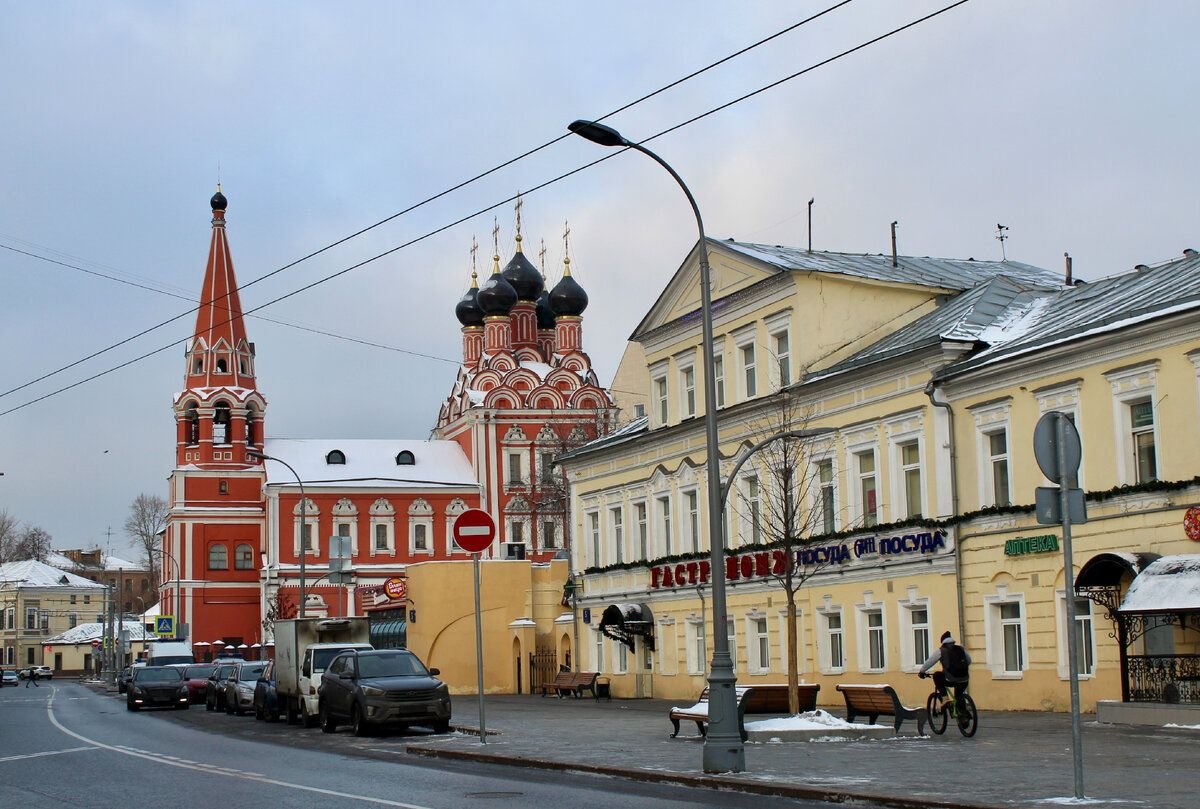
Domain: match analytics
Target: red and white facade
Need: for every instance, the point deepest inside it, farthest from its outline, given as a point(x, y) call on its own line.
point(234, 531)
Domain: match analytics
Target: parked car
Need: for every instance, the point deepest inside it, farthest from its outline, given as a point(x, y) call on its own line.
point(156, 685)
point(196, 677)
point(239, 687)
point(266, 697)
point(214, 694)
point(9, 677)
point(382, 687)
point(43, 672)
point(123, 679)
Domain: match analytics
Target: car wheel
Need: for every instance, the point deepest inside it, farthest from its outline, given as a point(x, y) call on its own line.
point(358, 722)
point(209, 704)
point(228, 708)
point(441, 726)
point(291, 713)
point(328, 725)
point(238, 710)
point(130, 706)
point(259, 713)
point(307, 719)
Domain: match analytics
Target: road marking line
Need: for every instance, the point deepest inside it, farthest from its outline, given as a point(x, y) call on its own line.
point(213, 769)
point(47, 753)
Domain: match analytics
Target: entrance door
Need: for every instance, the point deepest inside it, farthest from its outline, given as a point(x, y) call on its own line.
point(644, 678)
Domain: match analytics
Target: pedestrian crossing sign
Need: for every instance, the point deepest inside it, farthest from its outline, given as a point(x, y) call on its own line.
point(164, 626)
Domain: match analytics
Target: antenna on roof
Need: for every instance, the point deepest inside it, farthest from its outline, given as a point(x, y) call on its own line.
point(1001, 236)
point(810, 204)
point(895, 261)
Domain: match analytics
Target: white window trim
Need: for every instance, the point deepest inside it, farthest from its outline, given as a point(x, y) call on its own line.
point(664, 540)
point(691, 541)
point(777, 325)
point(1067, 400)
point(719, 370)
point(816, 505)
point(994, 635)
point(746, 517)
point(312, 518)
point(754, 663)
point(598, 652)
point(1064, 671)
point(617, 533)
point(455, 508)
point(620, 658)
point(593, 543)
point(353, 523)
point(905, 607)
point(821, 617)
point(668, 651)
point(521, 456)
point(900, 433)
point(388, 523)
point(853, 474)
point(638, 527)
point(863, 631)
point(990, 420)
point(694, 624)
point(1130, 386)
point(685, 363)
point(413, 522)
point(746, 339)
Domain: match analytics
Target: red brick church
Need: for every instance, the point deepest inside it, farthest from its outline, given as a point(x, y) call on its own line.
point(524, 393)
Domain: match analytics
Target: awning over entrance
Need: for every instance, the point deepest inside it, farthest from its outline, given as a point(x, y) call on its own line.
point(624, 622)
point(1101, 577)
point(1170, 584)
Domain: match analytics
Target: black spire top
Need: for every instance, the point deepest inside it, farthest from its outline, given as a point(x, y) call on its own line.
point(218, 200)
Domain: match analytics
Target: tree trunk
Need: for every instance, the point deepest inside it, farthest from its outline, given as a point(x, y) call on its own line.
point(793, 670)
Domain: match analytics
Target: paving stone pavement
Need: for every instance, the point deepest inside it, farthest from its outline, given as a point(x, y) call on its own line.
point(1015, 759)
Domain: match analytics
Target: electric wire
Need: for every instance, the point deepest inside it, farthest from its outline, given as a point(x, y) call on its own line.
point(502, 202)
point(430, 199)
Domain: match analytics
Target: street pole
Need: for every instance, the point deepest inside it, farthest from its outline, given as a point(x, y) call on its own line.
point(479, 654)
point(300, 612)
point(1064, 484)
point(724, 750)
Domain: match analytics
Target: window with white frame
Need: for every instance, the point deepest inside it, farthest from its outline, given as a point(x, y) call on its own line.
point(873, 639)
point(868, 503)
point(731, 642)
point(643, 530)
point(593, 521)
point(909, 454)
point(1085, 645)
point(621, 664)
point(31, 617)
point(997, 468)
point(345, 522)
point(1141, 432)
point(749, 370)
point(664, 524)
point(549, 534)
point(697, 648)
point(831, 638)
point(546, 468)
point(758, 644)
point(780, 345)
point(420, 527)
point(308, 533)
point(752, 503)
point(687, 391)
point(616, 518)
point(914, 633)
point(382, 537)
point(515, 466)
point(826, 496)
point(598, 653)
point(719, 378)
point(660, 399)
point(1134, 394)
point(691, 501)
point(10, 618)
point(72, 620)
point(1005, 634)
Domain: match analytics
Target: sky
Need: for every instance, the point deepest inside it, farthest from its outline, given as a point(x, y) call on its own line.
point(1072, 123)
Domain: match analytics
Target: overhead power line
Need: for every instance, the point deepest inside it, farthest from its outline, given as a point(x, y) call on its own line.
point(430, 199)
point(499, 203)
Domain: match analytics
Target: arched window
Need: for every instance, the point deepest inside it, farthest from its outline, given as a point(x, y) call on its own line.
point(243, 557)
point(335, 456)
point(218, 557)
point(251, 425)
point(222, 366)
point(193, 424)
point(221, 423)
point(198, 363)
point(405, 458)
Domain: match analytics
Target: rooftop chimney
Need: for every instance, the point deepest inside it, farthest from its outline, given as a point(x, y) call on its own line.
point(1070, 277)
point(895, 262)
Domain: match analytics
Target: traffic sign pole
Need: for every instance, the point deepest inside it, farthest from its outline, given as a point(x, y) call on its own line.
point(474, 531)
point(479, 655)
point(1065, 473)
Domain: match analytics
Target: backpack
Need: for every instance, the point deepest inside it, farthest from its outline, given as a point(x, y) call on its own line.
point(954, 662)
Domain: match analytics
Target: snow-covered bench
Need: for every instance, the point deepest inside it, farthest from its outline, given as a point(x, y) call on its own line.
point(698, 713)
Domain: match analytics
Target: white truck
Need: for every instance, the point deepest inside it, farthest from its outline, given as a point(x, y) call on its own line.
point(168, 652)
point(304, 648)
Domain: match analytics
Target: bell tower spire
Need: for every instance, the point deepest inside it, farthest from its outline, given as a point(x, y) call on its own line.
point(219, 413)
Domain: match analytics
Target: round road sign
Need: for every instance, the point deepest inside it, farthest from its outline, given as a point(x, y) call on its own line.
point(474, 530)
point(95, 642)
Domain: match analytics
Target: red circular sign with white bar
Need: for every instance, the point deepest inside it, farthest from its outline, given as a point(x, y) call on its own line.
point(474, 530)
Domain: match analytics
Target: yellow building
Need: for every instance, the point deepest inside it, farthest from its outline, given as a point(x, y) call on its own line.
point(38, 602)
point(917, 383)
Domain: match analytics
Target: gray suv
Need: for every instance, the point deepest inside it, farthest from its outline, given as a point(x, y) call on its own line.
point(373, 688)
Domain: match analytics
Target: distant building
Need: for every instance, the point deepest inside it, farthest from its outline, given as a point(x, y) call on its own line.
point(130, 579)
point(37, 602)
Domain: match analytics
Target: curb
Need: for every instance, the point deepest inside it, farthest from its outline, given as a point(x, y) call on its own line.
point(710, 782)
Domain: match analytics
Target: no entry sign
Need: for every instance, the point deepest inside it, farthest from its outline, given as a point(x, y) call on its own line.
point(474, 530)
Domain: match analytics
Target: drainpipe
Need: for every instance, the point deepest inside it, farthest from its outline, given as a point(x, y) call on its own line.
point(930, 390)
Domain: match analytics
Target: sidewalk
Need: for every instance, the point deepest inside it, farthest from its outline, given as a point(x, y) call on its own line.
point(1014, 759)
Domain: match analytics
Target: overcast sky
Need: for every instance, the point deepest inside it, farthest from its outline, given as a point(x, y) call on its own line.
point(1072, 122)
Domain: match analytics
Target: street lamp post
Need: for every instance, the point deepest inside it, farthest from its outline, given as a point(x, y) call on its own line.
point(723, 747)
point(303, 544)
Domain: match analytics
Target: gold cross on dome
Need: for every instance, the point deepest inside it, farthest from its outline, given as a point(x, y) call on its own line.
point(495, 239)
point(542, 257)
point(474, 250)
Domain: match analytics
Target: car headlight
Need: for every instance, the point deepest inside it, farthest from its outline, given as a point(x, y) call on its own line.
point(372, 691)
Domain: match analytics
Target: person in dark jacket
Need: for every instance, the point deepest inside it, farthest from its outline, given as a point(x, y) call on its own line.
point(956, 666)
point(33, 675)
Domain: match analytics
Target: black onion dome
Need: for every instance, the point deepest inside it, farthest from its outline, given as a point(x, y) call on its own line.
point(497, 297)
point(467, 311)
point(524, 277)
point(545, 315)
point(218, 201)
point(568, 298)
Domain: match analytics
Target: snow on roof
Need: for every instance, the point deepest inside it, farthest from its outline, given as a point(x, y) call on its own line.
point(369, 463)
point(117, 563)
point(86, 633)
point(1167, 584)
point(32, 573)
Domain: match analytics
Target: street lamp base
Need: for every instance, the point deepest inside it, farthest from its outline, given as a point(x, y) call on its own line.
point(722, 756)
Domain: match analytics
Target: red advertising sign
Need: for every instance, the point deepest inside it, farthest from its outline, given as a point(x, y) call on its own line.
point(396, 588)
point(474, 530)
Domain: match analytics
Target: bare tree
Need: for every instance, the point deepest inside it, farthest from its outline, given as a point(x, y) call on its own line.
point(147, 517)
point(277, 610)
point(34, 543)
point(10, 529)
point(780, 501)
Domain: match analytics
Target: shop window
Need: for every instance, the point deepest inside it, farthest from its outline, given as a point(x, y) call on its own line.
point(598, 654)
point(1085, 645)
point(918, 649)
point(1005, 633)
point(873, 635)
point(218, 557)
point(621, 664)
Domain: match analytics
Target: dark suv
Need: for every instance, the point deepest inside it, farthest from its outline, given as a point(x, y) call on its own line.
point(156, 685)
point(370, 688)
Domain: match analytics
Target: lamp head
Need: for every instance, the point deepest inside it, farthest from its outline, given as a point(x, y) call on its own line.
point(598, 133)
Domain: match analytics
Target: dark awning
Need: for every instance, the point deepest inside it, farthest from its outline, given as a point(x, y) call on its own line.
point(1107, 569)
point(623, 622)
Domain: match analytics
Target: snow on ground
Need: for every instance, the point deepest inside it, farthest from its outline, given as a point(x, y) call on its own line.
point(813, 720)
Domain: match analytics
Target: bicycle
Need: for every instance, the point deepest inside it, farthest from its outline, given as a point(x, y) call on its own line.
point(943, 706)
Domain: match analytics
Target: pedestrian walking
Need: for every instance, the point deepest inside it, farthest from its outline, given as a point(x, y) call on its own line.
point(33, 675)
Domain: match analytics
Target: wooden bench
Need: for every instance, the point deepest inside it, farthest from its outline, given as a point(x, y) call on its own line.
point(773, 698)
point(561, 683)
point(698, 713)
point(572, 683)
point(874, 701)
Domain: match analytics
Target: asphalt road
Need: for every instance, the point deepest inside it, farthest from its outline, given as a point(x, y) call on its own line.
point(65, 745)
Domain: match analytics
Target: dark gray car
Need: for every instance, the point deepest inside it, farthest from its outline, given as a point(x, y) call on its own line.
point(156, 685)
point(373, 688)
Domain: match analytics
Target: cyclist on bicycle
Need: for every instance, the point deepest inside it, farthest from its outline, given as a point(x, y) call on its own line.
point(956, 667)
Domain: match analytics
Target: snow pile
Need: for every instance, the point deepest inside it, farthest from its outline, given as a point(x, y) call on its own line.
point(813, 720)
